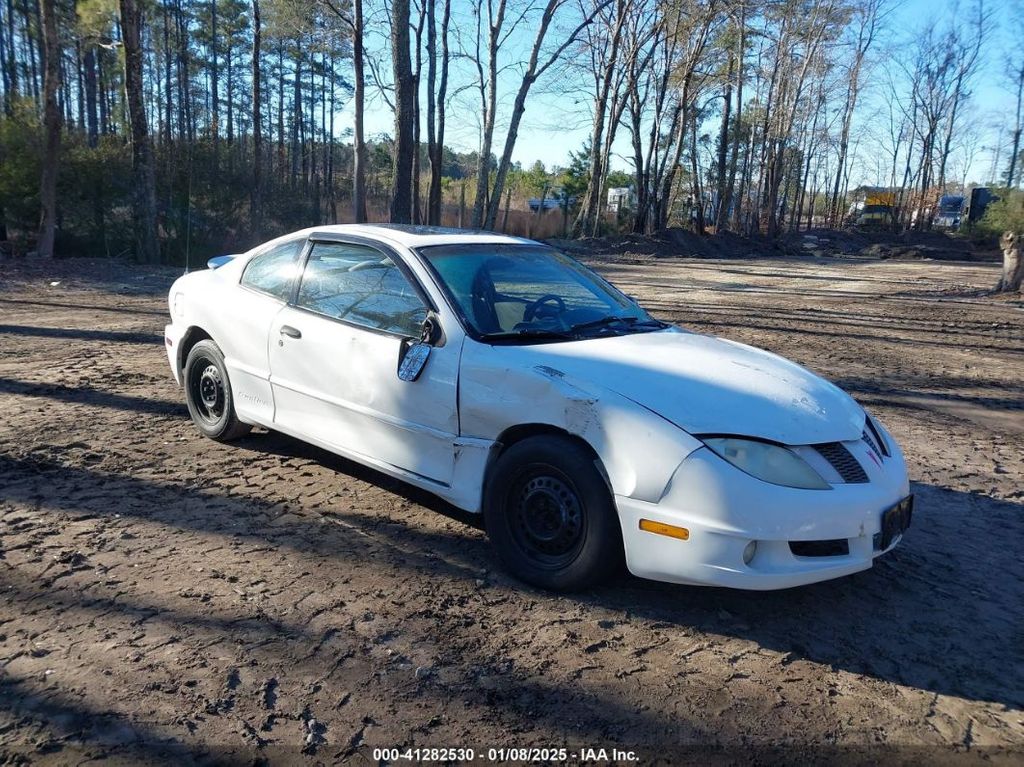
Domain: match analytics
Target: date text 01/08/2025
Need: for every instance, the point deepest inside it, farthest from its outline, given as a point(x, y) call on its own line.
point(513, 754)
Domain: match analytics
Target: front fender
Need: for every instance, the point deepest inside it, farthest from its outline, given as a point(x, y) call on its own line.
point(638, 449)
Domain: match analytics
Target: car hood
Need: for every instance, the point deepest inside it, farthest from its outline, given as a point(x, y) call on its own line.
point(708, 385)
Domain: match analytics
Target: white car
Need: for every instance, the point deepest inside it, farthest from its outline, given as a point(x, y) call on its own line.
point(514, 382)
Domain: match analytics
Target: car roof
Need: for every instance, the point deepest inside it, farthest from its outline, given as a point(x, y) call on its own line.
point(415, 236)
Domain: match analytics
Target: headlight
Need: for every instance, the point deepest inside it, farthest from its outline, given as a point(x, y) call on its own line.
point(179, 305)
point(771, 463)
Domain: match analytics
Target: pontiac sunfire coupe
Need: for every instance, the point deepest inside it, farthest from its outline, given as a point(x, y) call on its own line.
point(512, 381)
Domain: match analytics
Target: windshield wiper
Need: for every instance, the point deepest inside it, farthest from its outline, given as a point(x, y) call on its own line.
point(529, 335)
point(632, 322)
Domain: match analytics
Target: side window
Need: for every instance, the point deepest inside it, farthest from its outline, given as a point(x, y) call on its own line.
point(360, 285)
point(272, 272)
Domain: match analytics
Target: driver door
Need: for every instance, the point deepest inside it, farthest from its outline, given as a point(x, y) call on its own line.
point(334, 355)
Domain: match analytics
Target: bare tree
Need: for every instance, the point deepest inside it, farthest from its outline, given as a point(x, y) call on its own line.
point(487, 84)
point(540, 59)
point(256, 198)
point(1016, 78)
point(144, 206)
point(663, 87)
point(405, 111)
point(602, 44)
point(52, 122)
point(867, 15)
point(966, 41)
point(356, 27)
point(359, 160)
point(726, 201)
point(797, 54)
point(437, 93)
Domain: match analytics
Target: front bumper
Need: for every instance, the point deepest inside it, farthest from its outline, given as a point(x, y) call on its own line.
point(723, 509)
point(172, 343)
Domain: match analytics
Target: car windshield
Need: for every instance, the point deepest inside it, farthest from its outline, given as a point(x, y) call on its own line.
point(517, 293)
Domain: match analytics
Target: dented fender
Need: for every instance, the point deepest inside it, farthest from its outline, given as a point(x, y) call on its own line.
point(639, 450)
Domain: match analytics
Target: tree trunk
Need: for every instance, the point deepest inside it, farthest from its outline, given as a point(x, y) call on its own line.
point(1011, 174)
point(590, 210)
point(280, 111)
point(144, 207)
point(723, 146)
point(228, 97)
point(296, 121)
point(436, 106)
point(462, 203)
point(417, 215)
point(5, 80)
point(698, 190)
point(359, 160)
point(79, 84)
point(52, 122)
point(101, 79)
point(256, 200)
point(489, 106)
point(214, 95)
point(401, 180)
point(332, 199)
point(33, 72)
point(1013, 265)
point(12, 69)
point(168, 86)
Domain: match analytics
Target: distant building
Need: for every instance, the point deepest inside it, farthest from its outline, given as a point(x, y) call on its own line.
point(621, 198)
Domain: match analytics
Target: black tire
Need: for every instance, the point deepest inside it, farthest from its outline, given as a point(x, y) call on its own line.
point(211, 402)
point(550, 515)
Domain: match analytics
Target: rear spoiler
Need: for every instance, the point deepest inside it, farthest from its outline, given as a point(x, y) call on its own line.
point(218, 261)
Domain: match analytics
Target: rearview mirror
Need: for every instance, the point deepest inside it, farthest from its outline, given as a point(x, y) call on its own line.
point(413, 358)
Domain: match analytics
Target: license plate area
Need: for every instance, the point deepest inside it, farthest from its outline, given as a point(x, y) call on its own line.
point(895, 521)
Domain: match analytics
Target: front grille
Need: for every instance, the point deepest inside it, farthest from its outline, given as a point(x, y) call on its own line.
point(871, 443)
point(843, 462)
point(837, 548)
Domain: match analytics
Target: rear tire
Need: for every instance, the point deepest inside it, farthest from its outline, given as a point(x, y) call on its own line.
point(550, 515)
point(211, 402)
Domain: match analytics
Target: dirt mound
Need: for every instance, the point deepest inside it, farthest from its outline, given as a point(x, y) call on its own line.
point(827, 243)
point(675, 243)
point(940, 246)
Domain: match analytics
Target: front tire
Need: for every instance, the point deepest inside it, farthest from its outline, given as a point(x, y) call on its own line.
point(550, 515)
point(211, 402)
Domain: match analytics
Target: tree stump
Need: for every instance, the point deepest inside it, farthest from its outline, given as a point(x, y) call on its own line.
point(1013, 264)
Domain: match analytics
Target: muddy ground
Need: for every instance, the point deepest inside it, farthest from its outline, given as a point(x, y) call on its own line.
point(163, 597)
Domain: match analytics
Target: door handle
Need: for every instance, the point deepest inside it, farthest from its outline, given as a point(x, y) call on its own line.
point(288, 330)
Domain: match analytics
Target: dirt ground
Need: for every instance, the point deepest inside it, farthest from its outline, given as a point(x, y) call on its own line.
point(163, 597)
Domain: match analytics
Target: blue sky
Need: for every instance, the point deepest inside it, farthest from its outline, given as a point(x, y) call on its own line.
point(557, 123)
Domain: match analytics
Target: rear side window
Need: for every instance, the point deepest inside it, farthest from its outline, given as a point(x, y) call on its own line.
point(274, 271)
point(362, 286)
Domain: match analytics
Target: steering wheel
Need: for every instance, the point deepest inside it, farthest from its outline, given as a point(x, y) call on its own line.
point(536, 308)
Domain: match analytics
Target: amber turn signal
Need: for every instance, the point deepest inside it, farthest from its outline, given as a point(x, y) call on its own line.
point(660, 528)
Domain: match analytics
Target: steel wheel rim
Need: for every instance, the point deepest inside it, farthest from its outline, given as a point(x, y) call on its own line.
point(548, 519)
point(207, 389)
